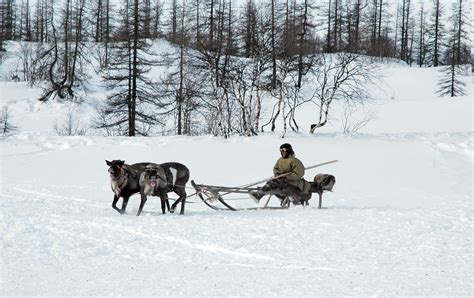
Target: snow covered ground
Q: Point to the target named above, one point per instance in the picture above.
(399, 222)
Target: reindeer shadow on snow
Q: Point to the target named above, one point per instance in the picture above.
(148, 179)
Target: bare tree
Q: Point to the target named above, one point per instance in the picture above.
(99, 17)
(34, 67)
(352, 121)
(180, 98)
(423, 49)
(461, 25)
(179, 89)
(377, 19)
(157, 19)
(436, 31)
(354, 30)
(281, 93)
(273, 46)
(405, 26)
(70, 125)
(216, 99)
(249, 29)
(329, 45)
(65, 68)
(6, 125)
(39, 22)
(343, 76)
(245, 88)
(6, 22)
(304, 45)
(26, 32)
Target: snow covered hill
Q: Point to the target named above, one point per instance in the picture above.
(399, 222)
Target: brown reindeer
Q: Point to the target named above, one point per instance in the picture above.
(283, 190)
(124, 180)
(322, 183)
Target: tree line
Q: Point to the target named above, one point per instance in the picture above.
(227, 59)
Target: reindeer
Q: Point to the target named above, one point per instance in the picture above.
(284, 190)
(124, 180)
(321, 183)
(160, 179)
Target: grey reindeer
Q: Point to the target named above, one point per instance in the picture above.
(160, 179)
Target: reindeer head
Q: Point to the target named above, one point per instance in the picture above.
(151, 174)
(324, 181)
(115, 168)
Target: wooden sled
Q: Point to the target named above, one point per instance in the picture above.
(210, 194)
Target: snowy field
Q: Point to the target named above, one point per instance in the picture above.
(399, 222)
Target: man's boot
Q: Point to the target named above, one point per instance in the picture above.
(256, 196)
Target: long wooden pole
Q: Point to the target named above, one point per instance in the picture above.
(321, 164)
(283, 175)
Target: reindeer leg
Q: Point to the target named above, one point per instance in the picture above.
(320, 199)
(142, 203)
(183, 201)
(173, 207)
(124, 205)
(182, 198)
(171, 210)
(164, 200)
(306, 198)
(114, 203)
(285, 202)
(168, 203)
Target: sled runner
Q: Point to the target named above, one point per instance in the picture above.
(212, 194)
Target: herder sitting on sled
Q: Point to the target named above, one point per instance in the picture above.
(288, 179)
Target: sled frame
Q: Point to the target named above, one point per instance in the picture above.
(212, 193)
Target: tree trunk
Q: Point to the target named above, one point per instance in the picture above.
(458, 38)
(436, 34)
(274, 66)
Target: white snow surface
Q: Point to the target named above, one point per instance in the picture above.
(399, 222)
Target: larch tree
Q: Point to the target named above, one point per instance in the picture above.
(451, 82)
(131, 106)
(179, 88)
(66, 56)
(436, 30)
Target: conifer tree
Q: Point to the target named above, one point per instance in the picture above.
(132, 106)
(451, 82)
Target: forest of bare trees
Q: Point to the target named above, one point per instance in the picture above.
(228, 56)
